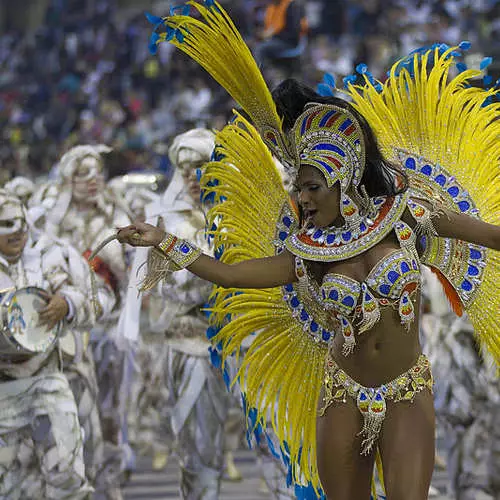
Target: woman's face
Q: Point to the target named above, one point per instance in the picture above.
(319, 203)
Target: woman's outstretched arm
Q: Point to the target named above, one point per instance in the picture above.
(449, 224)
(254, 273)
(467, 228)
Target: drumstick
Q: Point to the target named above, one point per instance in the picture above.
(93, 285)
(101, 245)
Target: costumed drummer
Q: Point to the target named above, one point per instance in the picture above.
(406, 174)
(44, 289)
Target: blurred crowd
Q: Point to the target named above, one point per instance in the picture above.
(85, 75)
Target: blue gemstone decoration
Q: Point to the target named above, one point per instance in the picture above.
(295, 302)
(426, 169)
(287, 221)
(344, 322)
(378, 397)
(362, 396)
(347, 236)
(283, 235)
(304, 316)
(466, 285)
(384, 289)
(348, 301)
(453, 191)
(405, 299)
(463, 206)
(347, 123)
(414, 265)
(330, 239)
(328, 115)
(393, 276)
(313, 326)
(367, 297)
(333, 295)
(440, 179)
(325, 335)
(404, 267)
(475, 254)
(184, 248)
(473, 271)
(362, 227)
(317, 234)
(329, 147)
(289, 287)
(410, 163)
(326, 166)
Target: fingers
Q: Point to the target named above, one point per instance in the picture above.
(125, 234)
(48, 318)
(142, 226)
(54, 312)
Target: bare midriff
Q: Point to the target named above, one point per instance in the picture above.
(387, 349)
(382, 353)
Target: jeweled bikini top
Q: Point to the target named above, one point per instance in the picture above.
(391, 282)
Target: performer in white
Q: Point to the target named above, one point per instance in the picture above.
(81, 210)
(41, 452)
(188, 400)
(467, 399)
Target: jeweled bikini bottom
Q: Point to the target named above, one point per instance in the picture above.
(371, 401)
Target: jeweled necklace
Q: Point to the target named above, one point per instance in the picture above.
(337, 235)
(334, 235)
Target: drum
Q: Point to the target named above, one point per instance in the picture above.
(21, 335)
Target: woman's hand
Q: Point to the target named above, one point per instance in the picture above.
(141, 234)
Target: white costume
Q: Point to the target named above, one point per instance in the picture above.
(467, 399)
(81, 210)
(188, 400)
(41, 453)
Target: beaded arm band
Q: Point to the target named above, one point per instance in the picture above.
(180, 252)
(171, 254)
(423, 217)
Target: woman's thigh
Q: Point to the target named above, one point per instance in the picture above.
(407, 448)
(344, 473)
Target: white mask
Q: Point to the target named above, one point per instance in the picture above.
(12, 217)
(88, 179)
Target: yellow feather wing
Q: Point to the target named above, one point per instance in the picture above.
(215, 44)
(281, 373)
(446, 133)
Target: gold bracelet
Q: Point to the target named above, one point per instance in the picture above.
(180, 252)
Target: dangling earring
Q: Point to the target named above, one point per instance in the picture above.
(365, 202)
(350, 211)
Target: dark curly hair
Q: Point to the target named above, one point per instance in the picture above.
(380, 177)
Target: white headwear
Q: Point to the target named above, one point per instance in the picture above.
(192, 146)
(70, 159)
(11, 209)
(20, 186)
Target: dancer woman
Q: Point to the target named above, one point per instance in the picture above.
(333, 289)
